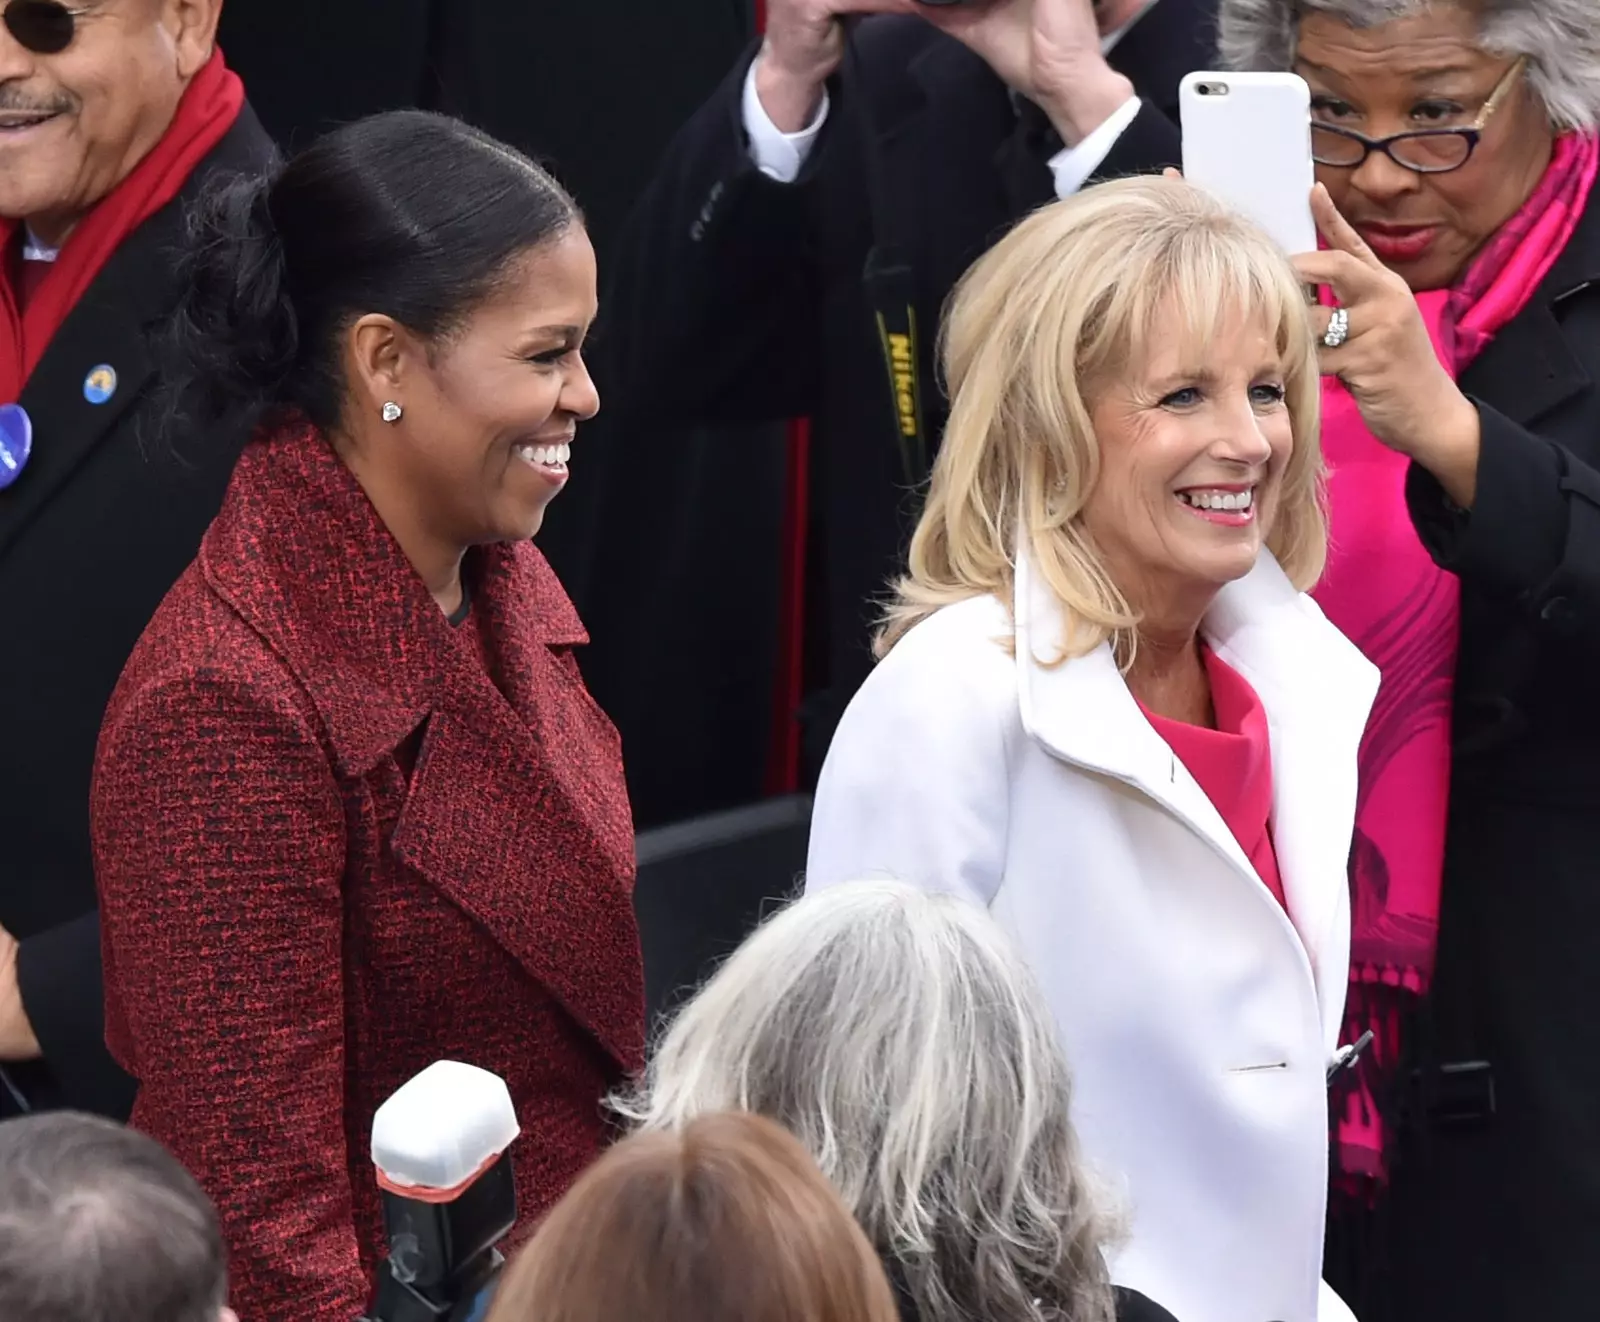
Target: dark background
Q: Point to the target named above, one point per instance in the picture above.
(668, 537)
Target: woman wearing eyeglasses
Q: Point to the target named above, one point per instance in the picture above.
(1461, 346)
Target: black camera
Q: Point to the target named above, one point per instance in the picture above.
(443, 1263)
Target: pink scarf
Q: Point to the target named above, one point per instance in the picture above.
(1384, 591)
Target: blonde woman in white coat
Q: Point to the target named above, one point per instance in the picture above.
(1107, 712)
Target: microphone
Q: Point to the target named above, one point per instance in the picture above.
(439, 1145)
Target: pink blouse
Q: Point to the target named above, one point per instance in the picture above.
(1232, 764)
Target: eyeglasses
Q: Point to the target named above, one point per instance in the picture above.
(45, 27)
(1427, 151)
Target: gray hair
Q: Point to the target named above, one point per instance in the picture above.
(902, 1039)
(1560, 38)
(100, 1224)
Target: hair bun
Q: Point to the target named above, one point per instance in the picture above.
(235, 331)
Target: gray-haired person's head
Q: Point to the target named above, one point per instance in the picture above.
(902, 1039)
(1559, 38)
(99, 1223)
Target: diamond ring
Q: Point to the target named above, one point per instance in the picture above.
(1338, 328)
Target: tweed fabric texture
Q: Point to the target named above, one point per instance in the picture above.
(294, 925)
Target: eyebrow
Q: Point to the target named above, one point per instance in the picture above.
(1442, 71)
(1201, 376)
(559, 332)
(1159, 387)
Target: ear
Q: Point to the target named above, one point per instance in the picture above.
(192, 25)
(227, 1315)
(382, 357)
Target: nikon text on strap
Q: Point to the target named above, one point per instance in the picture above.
(888, 283)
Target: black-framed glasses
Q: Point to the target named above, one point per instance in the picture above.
(1427, 151)
(45, 27)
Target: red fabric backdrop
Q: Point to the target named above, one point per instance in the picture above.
(783, 763)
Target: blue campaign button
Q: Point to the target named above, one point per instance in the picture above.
(16, 442)
(100, 384)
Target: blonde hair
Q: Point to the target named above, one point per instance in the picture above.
(1059, 306)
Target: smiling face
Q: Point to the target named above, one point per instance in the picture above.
(73, 124)
(1193, 444)
(490, 415)
(1417, 73)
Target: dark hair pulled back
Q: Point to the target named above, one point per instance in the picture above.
(410, 214)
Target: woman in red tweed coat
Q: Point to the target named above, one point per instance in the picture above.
(354, 811)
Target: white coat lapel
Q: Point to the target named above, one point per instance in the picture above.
(1317, 690)
(1083, 713)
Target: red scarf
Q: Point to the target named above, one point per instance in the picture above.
(1387, 595)
(205, 113)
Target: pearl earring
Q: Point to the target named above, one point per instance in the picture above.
(392, 411)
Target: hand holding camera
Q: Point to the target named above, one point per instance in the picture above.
(803, 47)
(1046, 50)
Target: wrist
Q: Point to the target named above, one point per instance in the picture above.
(1451, 449)
(790, 99)
(1079, 99)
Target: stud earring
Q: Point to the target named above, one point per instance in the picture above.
(392, 411)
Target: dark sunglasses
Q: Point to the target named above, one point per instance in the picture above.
(45, 27)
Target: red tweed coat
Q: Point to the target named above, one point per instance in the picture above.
(294, 925)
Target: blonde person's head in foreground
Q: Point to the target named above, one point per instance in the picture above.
(903, 1040)
(1114, 359)
(727, 1220)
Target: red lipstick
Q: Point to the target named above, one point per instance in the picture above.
(1398, 243)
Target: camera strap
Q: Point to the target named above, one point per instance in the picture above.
(888, 282)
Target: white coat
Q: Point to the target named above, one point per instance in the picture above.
(1199, 1018)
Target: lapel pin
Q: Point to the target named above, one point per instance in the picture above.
(100, 384)
(16, 442)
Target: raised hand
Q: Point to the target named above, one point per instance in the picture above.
(1385, 358)
(802, 48)
(1047, 50)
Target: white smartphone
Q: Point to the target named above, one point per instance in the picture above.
(1247, 140)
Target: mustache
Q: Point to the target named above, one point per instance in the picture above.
(14, 100)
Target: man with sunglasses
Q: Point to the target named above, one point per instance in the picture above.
(113, 113)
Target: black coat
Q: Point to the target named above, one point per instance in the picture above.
(93, 532)
(737, 298)
(1497, 1218)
